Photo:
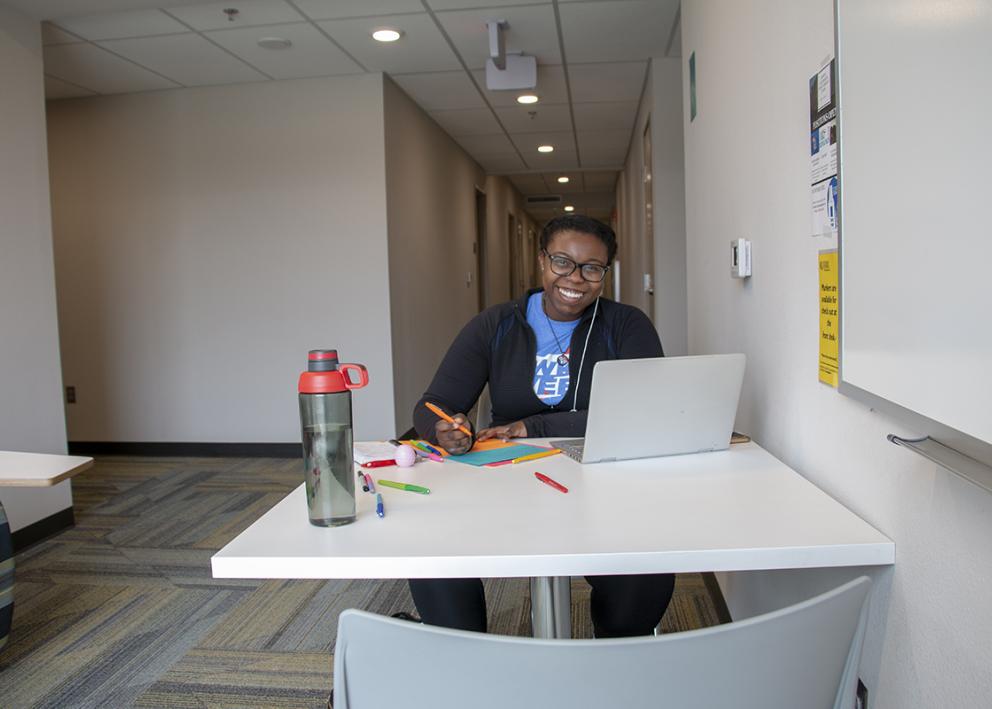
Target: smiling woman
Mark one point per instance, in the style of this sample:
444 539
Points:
537 355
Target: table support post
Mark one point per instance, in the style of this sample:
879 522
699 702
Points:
551 606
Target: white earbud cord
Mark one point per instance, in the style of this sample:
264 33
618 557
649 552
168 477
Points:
582 359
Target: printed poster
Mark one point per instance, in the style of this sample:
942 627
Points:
823 150
829 330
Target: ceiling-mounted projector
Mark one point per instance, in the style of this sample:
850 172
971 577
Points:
507 72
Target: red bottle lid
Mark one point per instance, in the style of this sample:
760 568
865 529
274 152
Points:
325 375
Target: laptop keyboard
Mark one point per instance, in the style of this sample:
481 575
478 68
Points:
572 448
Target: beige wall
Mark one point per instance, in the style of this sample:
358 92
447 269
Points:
31 410
430 192
662 105
205 239
747 175
502 200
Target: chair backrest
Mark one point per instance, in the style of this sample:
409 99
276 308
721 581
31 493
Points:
805 656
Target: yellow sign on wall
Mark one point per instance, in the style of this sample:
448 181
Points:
829 331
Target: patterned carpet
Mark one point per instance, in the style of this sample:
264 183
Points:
121 609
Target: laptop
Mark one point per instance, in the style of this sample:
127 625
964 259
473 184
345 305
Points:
644 408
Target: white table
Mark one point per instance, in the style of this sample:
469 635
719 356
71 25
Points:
39 469
739 509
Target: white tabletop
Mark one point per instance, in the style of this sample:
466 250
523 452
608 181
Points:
39 469
731 510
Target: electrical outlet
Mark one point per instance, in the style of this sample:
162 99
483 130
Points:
861 698
70 395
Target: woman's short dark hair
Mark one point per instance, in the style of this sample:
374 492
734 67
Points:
583 225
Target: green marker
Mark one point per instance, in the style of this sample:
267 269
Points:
405 486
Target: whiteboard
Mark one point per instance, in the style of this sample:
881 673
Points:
915 98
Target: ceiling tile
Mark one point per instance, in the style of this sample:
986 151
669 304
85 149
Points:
550 87
335 9
529 184
440 91
620 81
603 156
528 142
603 140
467 121
488 145
606 116
558 160
88 65
573 185
311 54
643 25
530 30
50 34
420 49
497 164
600 181
463 4
250 13
114 25
186 58
56 89
535 118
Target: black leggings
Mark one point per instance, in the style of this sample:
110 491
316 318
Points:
621 606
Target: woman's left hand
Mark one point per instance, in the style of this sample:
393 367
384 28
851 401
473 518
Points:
517 429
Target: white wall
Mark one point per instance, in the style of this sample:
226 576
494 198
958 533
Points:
31 413
669 205
747 174
430 191
205 239
661 103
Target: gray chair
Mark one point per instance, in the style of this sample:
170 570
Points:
803 656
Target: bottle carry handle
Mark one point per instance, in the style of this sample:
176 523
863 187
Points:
362 374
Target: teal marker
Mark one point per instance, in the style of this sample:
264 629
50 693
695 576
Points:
405 486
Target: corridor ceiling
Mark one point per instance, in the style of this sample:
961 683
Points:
592 67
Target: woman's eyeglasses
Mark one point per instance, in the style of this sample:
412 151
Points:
563 266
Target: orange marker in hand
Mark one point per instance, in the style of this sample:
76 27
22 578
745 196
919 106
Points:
447 418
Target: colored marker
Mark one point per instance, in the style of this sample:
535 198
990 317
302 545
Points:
429 448
368 479
361 481
437 410
394 442
422 451
405 486
379 509
547 481
378 463
535 456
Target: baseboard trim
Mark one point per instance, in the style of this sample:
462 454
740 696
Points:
719 602
42 529
187 450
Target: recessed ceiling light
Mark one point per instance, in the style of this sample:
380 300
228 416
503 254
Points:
569 208
545 148
274 43
563 179
386 34
527 98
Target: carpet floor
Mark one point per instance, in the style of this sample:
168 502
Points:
121 609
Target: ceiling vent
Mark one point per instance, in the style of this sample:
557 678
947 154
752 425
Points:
543 199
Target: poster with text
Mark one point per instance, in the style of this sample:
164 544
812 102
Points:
823 150
829 350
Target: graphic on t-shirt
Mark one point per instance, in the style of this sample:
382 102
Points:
551 366
550 377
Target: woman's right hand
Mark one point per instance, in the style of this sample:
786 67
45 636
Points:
452 438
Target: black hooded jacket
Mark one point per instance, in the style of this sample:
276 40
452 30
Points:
498 347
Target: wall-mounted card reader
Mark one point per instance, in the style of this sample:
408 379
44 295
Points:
740 258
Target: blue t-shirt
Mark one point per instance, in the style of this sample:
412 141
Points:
553 340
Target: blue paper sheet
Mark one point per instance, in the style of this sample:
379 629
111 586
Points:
496 455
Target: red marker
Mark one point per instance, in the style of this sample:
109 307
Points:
548 481
378 463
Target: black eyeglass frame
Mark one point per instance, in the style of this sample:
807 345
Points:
575 265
